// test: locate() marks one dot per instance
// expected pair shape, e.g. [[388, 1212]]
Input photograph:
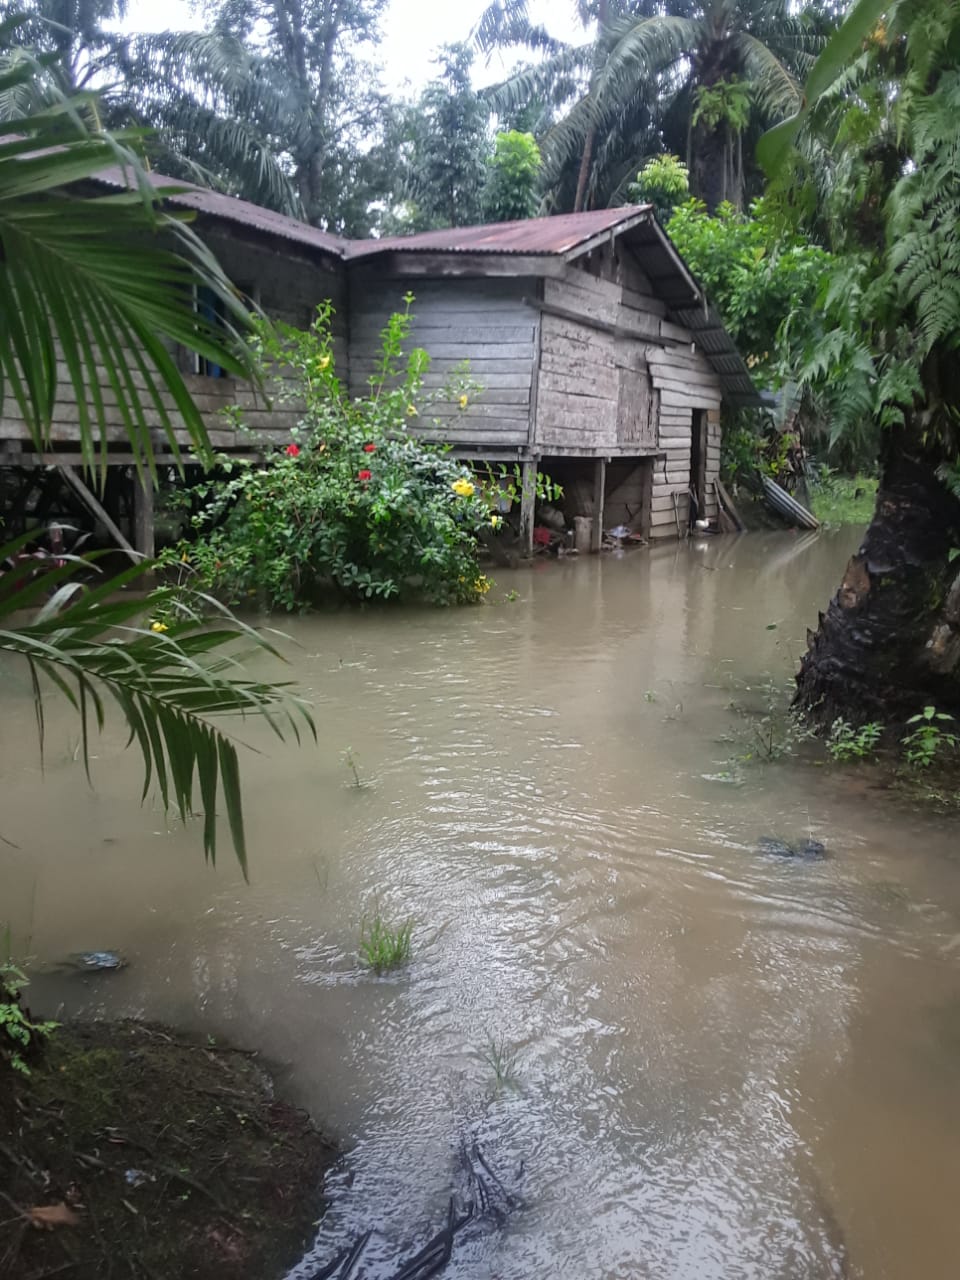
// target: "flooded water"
[[686, 1058]]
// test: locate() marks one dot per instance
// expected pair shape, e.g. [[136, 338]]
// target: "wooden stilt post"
[[528, 499], [143, 537], [599, 495]]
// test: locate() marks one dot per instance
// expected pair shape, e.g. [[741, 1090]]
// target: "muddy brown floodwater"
[[723, 1064]]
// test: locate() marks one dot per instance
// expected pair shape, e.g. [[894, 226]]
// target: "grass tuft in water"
[[350, 761], [384, 946], [502, 1061]]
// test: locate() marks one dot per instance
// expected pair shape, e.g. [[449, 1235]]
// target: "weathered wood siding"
[[482, 322], [287, 286], [594, 393]]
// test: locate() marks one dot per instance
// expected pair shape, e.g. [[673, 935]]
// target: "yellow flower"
[[482, 585], [411, 410], [323, 363], [464, 401], [184, 559], [463, 488], [157, 625], [496, 521]]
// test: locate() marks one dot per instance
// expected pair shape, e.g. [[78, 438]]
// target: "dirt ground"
[[132, 1151]]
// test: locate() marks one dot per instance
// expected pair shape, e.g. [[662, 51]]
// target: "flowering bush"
[[354, 502]]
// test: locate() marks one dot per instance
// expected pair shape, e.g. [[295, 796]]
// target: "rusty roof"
[[230, 208], [560, 234]]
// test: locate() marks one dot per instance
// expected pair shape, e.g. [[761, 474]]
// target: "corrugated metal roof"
[[241, 212], [560, 233]]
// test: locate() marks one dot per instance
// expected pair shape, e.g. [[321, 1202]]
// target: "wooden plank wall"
[[287, 286], [685, 382], [482, 322]]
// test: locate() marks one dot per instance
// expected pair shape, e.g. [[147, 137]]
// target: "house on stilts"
[[601, 360]]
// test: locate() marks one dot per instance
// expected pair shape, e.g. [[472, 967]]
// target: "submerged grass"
[[840, 500], [384, 946]]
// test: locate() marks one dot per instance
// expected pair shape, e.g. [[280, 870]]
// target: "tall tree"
[[445, 145], [695, 77], [879, 166]]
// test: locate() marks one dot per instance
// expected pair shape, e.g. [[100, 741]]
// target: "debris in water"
[[94, 961], [806, 850]]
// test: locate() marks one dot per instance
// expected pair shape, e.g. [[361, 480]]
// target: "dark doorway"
[[698, 465]]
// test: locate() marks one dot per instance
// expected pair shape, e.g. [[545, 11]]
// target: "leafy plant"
[[663, 182], [511, 189], [769, 732], [18, 1031], [929, 740], [384, 946], [355, 502], [167, 677], [847, 743]]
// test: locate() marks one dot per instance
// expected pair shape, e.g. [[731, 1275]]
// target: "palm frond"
[[92, 283], [777, 91], [166, 684]]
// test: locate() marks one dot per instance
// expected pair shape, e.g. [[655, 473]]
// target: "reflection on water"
[[727, 1065]]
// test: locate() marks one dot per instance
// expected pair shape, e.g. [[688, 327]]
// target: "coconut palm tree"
[[692, 77], [92, 289]]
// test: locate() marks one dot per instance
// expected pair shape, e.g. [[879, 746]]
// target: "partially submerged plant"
[[929, 740], [847, 743], [350, 761], [502, 1060], [384, 946]]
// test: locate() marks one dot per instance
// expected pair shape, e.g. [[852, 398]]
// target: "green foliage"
[[929, 740], [763, 279], [769, 731], [632, 85], [385, 946], [18, 1031], [355, 502], [445, 147], [838, 500], [847, 743], [663, 182], [511, 189], [723, 102], [873, 161]]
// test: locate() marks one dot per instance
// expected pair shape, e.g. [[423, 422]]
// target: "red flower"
[[364, 475], [369, 448], [293, 451]]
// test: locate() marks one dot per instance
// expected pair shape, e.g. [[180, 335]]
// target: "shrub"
[[18, 1032], [847, 743], [353, 501]]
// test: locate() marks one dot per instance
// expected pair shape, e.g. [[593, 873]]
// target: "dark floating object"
[[94, 961], [805, 850], [486, 1198]]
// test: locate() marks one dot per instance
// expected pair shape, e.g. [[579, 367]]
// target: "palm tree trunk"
[[889, 643], [584, 173]]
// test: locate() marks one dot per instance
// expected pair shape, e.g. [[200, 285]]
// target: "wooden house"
[[601, 361]]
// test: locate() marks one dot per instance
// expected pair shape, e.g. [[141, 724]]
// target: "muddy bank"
[[152, 1155]]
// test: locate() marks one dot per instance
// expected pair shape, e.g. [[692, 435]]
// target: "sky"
[[413, 31]]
